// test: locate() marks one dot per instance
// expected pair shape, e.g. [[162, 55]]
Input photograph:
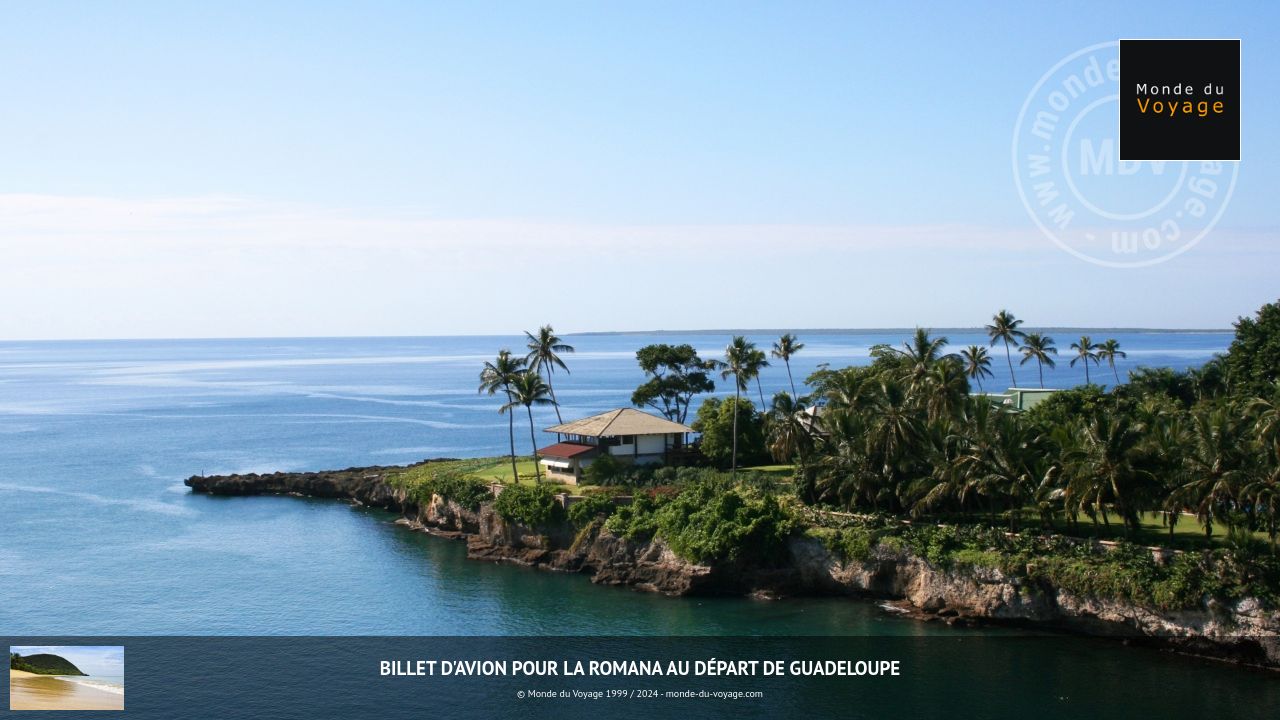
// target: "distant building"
[[1021, 398], [627, 434]]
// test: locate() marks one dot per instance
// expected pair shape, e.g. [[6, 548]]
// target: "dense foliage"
[[710, 520], [674, 374], [450, 480], [533, 506], [715, 420], [903, 436]]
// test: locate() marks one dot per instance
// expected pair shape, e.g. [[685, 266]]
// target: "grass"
[[781, 472]]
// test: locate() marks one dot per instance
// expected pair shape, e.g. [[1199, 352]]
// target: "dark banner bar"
[[568, 677]]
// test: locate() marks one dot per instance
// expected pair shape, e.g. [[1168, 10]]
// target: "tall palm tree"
[[784, 349], [499, 375], [1004, 326], [739, 360], [921, 352], [977, 363], [543, 358], [528, 389], [1109, 351], [1039, 347], [1085, 352], [758, 362]]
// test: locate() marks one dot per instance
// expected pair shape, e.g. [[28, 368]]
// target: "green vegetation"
[[43, 664], [453, 480], [674, 374], [898, 455], [730, 438], [710, 520], [533, 506]]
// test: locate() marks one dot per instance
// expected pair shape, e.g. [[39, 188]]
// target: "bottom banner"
[[987, 676]]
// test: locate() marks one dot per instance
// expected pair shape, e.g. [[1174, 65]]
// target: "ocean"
[[101, 537]]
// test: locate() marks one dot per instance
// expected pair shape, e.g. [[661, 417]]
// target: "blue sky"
[[414, 168], [91, 659]]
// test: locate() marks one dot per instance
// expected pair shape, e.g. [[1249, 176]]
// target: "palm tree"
[[1039, 347], [1109, 351], [758, 362], [528, 389], [739, 358], [543, 358], [922, 352], [977, 363], [1004, 326], [498, 375], [784, 349], [787, 429], [1084, 348]]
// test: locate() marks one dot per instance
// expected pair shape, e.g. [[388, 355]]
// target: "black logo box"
[[1187, 69]]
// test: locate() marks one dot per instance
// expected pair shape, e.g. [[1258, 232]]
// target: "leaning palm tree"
[[1039, 347], [528, 389], [1085, 352], [739, 359], [1109, 351], [758, 362], [1004, 326], [543, 358], [784, 349], [977, 363], [499, 375]]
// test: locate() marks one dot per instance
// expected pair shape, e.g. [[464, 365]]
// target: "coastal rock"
[[1244, 632]]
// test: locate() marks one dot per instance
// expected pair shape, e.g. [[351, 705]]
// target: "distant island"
[[43, 664]]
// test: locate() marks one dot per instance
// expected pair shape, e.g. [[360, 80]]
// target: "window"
[[627, 440]]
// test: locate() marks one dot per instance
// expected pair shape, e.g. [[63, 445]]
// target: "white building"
[[627, 434]]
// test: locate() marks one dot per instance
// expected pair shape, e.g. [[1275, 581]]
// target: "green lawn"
[[1187, 533]]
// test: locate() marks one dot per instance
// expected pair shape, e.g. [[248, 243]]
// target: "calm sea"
[[99, 536]]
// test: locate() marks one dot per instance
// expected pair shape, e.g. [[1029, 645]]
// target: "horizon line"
[[587, 333]]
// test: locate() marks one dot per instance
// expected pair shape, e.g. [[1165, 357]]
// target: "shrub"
[[448, 480], [590, 508], [603, 470], [637, 521], [709, 522], [530, 505]]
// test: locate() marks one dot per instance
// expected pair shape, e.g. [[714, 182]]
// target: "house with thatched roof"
[[627, 434]]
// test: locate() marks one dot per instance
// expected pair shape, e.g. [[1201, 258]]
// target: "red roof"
[[565, 450]]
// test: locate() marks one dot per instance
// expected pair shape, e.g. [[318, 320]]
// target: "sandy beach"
[[28, 691]]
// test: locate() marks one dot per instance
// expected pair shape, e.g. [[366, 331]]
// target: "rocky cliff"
[[1243, 632]]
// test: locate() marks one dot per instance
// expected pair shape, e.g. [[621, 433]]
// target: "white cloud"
[[225, 266]]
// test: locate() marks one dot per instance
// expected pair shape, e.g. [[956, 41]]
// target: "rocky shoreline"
[[1242, 632]]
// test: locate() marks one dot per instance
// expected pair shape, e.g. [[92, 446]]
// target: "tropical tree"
[[920, 354], [1215, 462], [1004, 327], [787, 429], [740, 361], [529, 389], [1109, 350], [977, 363], [675, 374], [759, 361], [1106, 468], [784, 349], [499, 375], [1086, 353], [1039, 347], [544, 357]]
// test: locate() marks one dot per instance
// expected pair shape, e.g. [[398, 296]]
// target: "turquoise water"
[[100, 536]]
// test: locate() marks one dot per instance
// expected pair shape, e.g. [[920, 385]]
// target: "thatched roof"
[[623, 421]]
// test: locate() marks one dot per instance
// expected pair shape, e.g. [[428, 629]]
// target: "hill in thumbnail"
[[43, 664]]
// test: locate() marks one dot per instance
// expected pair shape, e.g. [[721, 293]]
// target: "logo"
[[1082, 196]]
